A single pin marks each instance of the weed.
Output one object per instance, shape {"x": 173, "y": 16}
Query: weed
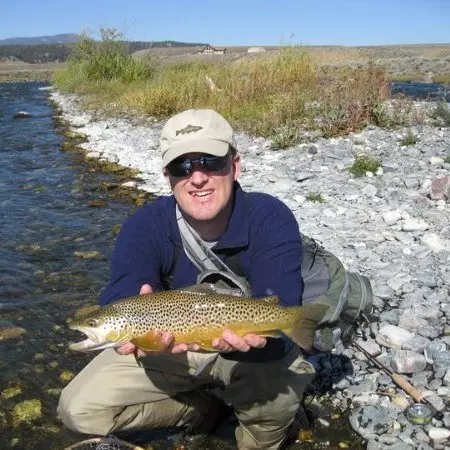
{"x": 363, "y": 164}
{"x": 447, "y": 159}
{"x": 286, "y": 136}
{"x": 409, "y": 139}
{"x": 315, "y": 197}
{"x": 262, "y": 96}
{"x": 442, "y": 113}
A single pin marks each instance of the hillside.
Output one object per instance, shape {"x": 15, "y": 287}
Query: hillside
{"x": 65, "y": 38}
{"x": 58, "y": 48}
{"x": 413, "y": 61}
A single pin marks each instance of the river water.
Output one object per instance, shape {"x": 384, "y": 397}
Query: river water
{"x": 58, "y": 219}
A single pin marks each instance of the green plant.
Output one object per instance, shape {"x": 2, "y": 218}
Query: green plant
{"x": 442, "y": 113}
{"x": 363, "y": 164}
{"x": 271, "y": 96}
{"x": 107, "y": 60}
{"x": 409, "y": 139}
{"x": 316, "y": 197}
{"x": 447, "y": 159}
{"x": 285, "y": 136}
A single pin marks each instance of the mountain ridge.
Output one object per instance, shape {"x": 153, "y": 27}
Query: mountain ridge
{"x": 64, "y": 38}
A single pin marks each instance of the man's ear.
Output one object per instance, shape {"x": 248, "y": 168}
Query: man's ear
{"x": 236, "y": 163}
{"x": 167, "y": 177}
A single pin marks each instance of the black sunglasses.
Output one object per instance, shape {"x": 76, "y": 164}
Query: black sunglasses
{"x": 182, "y": 167}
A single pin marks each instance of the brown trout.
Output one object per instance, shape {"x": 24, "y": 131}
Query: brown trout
{"x": 193, "y": 315}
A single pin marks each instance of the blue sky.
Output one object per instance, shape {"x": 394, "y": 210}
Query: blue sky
{"x": 232, "y": 22}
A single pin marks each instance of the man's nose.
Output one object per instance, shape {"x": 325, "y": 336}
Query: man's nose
{"x": 198, "y": 175}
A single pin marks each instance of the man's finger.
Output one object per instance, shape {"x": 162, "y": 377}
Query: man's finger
{"x": 145, "y": 289}
{"x": 126, "y": 349}
{"x": 236, "y": 341}
{"x": 255, "y": 341}
{"x": 222, "y": 346}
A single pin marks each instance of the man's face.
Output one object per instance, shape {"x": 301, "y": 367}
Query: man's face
{"x": 204, "y": 195}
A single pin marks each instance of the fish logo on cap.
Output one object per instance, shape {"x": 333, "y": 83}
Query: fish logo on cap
{"x": 188, "y": 129}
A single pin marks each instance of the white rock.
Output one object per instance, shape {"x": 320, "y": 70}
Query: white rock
{"x": 414, "y": 225}
{"x": 438, "y": 434}
{"x": 436, "y": 161}
{"x": 434, "y": 242}
{"x": 426, "y": 184}
{"x": 393, "y": 337}
{"x": 130, "y": 184}
{"x": 94, "y": 155}
{"x": 391, "y": 217}
{"x": 300, "y": 199}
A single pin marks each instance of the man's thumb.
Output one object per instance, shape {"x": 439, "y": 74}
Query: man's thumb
{"x": 146, "y": 289}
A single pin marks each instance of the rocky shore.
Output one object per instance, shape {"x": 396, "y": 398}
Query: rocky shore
{"x": 392, "y": 226}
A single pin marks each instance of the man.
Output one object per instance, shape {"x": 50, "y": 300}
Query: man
{"x": 262, "y": 379}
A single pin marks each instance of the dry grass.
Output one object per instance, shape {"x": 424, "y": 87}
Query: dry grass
{"x": 332, "y": 90}
{"x": 414, "y": 61}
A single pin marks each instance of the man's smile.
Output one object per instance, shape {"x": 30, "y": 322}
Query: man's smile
{"x": 202, "y": 193}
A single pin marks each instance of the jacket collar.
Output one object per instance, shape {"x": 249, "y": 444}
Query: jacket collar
{"x": 237, "y": 232}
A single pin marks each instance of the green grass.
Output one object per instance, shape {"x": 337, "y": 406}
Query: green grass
{"x": 363, "y": 164}
{"x": 442, "y": 114}
{"x": 315, "y": 197}
{"x": 274, "y": 97}
{"x": 409, "y": 139}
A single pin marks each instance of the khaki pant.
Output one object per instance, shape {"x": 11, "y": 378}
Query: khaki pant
{"x": 117, "y": 393}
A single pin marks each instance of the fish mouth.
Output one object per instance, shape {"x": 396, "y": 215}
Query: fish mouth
{"x": 88, "y": 345}
{"x": 96, "y": 341}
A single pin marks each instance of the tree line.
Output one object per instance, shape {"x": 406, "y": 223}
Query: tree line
{"x": 49, "y": 53}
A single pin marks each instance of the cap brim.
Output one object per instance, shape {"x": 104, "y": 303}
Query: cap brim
{"x": 208, "y": 146}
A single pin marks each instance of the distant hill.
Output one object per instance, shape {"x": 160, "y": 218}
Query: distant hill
{"x": 66, "y": 38}
{"x": 57, "y": 48}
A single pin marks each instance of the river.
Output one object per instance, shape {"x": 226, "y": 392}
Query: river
{"x": 59, "y": 217}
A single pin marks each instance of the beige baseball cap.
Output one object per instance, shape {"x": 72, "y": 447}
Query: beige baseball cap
{"x": 195, "y": 130}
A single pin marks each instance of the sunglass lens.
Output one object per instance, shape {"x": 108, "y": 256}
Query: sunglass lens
{"x": 182, "y": 167}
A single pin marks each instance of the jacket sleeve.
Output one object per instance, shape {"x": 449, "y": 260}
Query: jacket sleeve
{"x": 136, "y": 258}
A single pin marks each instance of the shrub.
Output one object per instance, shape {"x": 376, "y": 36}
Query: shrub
{"x": 286, "y": 136}
{"x": 442, "y": 113}
{"x": 363, "y": 164}
{"x": 270, "y": 96}
{"x": 409, "y": 139}
{"x": 315, "y": 197}
{"x": 105, "y": 61}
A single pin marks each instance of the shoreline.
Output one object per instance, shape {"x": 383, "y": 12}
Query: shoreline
{"x": 384, "y": 226}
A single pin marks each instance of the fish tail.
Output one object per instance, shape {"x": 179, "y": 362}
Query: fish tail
{"x": 305, "y": 323}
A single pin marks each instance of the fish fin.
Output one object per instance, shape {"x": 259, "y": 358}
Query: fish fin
{"x": 270, "y": 333}
{"x": 149, "y": 342}
{"x": 305, "y": 325}
{"x": 207, "y": 345}
{"x": 271, "y": 300}
{"x": 85, "y": 310}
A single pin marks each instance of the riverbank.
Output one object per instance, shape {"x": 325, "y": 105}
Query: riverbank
{"x": 21, "y": 71}
{"x": 384, "y": 225}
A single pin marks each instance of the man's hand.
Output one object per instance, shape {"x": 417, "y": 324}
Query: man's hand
{"x": 166, "y": 338}
{"x": 230, "y": 342}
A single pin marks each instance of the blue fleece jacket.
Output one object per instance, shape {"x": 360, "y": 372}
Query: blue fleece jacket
{"x": 262, "y": 230}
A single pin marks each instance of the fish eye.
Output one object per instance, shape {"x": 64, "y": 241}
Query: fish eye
{"x": 92, "y": 322}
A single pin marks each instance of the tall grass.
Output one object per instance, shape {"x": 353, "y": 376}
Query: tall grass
{"x": 260, "y": 95}
{"x": 107, "y": 61}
